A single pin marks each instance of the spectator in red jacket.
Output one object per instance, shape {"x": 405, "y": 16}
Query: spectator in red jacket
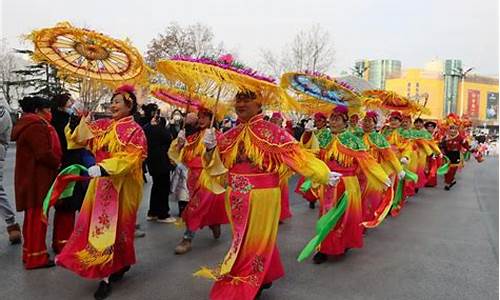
{"x": 38, "y": 158}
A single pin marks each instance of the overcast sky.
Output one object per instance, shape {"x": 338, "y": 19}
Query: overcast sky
{"x": 414, "y": 32}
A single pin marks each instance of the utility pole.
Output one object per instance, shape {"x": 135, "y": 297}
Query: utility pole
{"x": 462, "y": 75}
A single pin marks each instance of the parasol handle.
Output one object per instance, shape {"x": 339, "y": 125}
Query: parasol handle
{"x": 187, "y": 111}
{"x": 215, "y": 107}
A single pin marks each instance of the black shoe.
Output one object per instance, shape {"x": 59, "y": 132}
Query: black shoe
{"x": 117, "y": 276}
{"x": 447, "y": 187}
{"x": 265, "y": 286}
{"x": 312, "y": 205}
{"x": 416, "y": 191}
{"x": 453, "y": 183}
{"x": 216, "y": 232}
{"x": 103, "y": 291}
{"x": 50, "y": 264}
{"x": 320, "y": 258}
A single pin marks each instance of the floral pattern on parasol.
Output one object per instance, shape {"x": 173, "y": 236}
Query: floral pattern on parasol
{"x": 319, "y": 92}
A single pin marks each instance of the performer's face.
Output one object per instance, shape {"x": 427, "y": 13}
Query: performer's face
{"x": 453, "y": 130}
{"x": 368, "y": 124}
{"x": 395, "y": 123}
{"x": 204, "y": 121}
{"x": 320, "y": 123}
{"x": 406, "y": 123}
{"x": 120, "y": 108}
{"x": 353, "y": 121}
{"x": 430, "y": 129}
{"x": 246, "y": 108}
{"x": 419, "y": 125}
{"x": 337, "y": 123}
{"x": 277, "y": 121}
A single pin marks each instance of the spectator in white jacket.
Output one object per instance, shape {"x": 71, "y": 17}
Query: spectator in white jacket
{"x": 6, "y": 211}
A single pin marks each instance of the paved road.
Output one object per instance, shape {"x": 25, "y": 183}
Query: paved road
{"x": 444, "y": 245}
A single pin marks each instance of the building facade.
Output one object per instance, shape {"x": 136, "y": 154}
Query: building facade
{"x": 378, "y": 71}
{"x": 445, "y": 92}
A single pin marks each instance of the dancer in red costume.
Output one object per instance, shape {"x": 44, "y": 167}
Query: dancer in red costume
{"x": 205, "y": 208}
{"x": 452, "y": 145}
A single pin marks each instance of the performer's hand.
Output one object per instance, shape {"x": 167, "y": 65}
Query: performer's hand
{"x": 309, "y": 127}
{"x": 209, "y": 139}
{"x": 181, "y": 137}
{"x": 404, "y": 160}
{"x": 388, "y": 182}
{"x": 79, "y": 108}
{"x": 333, "y": 178}
{"x": 401, "y": 175}
{"x": 94, "y": 171}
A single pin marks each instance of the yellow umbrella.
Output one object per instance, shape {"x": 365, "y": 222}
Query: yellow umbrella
{"x": 88, "y": 54}
{"x": 222, "y": 79}
{"x": 182, "y": 99}
{"x": 391, "y": 101}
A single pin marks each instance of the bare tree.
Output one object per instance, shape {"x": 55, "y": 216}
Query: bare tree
{"x": 194, "y": 40}
{"x": 272, "y": 63}
{"x": 311, "y": 49}
{"x": 8, "y": 78}
{"x": 91, "y": 93}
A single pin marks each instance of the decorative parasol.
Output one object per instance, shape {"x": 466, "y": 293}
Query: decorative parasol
{"x": 223, "y": 78}
{"x": 88, "y": 54}
{"x": 318, "y": 92}
{"x": 183, "y": 99}
{"x": 391, "y": 101}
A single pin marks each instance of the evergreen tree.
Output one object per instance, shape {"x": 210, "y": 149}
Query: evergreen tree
{"x": 39, "y": 79}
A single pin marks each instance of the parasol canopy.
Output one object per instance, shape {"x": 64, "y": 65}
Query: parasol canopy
{"x": 318, "y": 92}
{"x": 88, "y": 54}
{"x": 183, "y": 99}
{"x": 391, "y": 101}
{"x": 223, "y": 78}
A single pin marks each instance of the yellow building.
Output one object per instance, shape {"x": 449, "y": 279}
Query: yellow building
{"x": 479, "y": 98}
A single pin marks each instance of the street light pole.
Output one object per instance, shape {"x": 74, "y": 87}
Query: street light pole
{"x": 462, "y": 94}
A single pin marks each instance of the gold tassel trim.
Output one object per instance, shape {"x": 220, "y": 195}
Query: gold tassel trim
{"x": 90, "y": 256}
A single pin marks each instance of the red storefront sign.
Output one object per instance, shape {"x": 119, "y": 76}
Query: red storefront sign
{"x": 473, "y": 103}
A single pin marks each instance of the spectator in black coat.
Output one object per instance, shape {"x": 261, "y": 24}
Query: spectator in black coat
{"x": 159, "y": 167}
{"x": 64, "y": 218}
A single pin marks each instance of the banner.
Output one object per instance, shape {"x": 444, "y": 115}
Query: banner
{"x": 492, "y": 106}
{"x": 473, "y": 107}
